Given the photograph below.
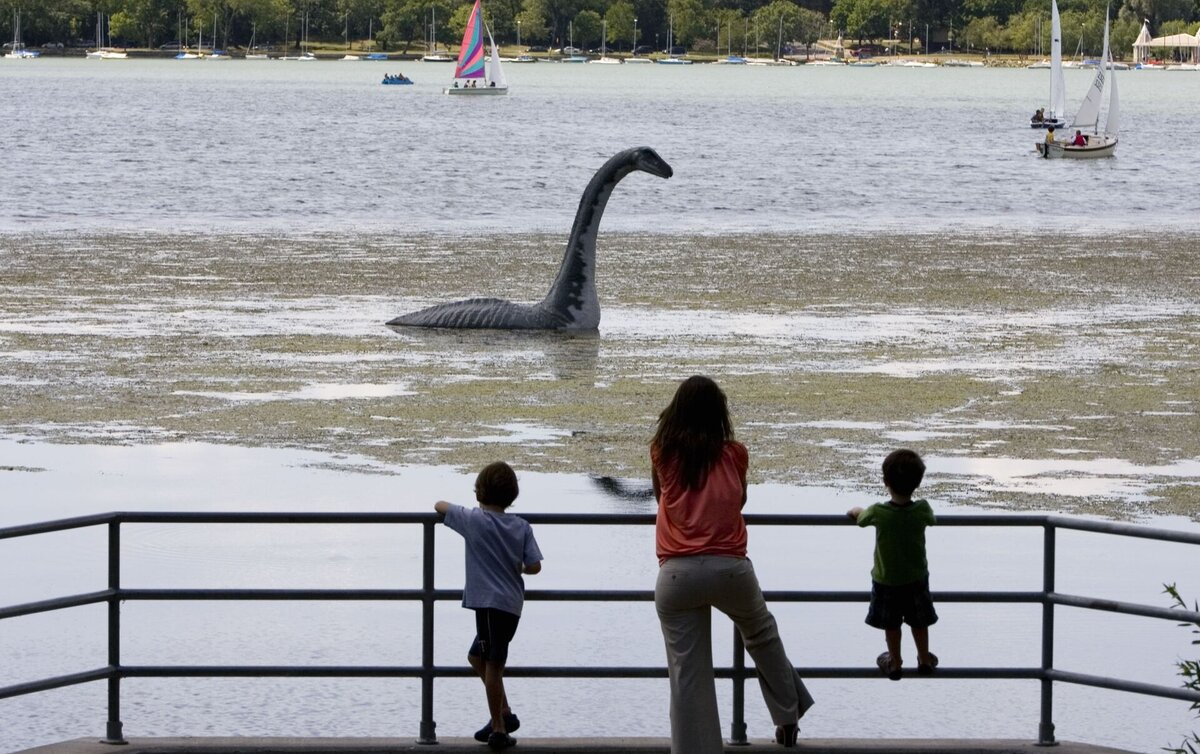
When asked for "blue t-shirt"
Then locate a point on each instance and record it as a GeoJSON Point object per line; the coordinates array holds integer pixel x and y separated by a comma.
{"type": "Point", "coordinates": [498, 546]}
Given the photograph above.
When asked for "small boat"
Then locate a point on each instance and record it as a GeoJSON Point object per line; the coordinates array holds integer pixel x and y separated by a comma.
{"type": "Point", "coordinates": [101, 52]}
{"type": "Point", "coordinates": [18, 48]}
{"type": "Point", "coordinates": [377, 56]}
{"type": "Point", "coordinates": [827, 62]}
{"type": "Point", "coordinates": [672, 59]}
{"type": "Point", "coordinates": [351, 57]}
{"type": "Point", "coordinates": [1097, 143]}
{"type": "Point", "coordinates": [636, 60]}
{"type": "Point", "coordinates": [477, 75]}
{"type": "Point", "coordinates": [435, 56]}
{"type": "Point", "coordinates": [1057, 114]}
{"type": "Point", "coordinates": [400, 80]}
{"type": "Point", "coordinates": [604, 59]}
{"type": "Point", "coordinates": [524, 59]}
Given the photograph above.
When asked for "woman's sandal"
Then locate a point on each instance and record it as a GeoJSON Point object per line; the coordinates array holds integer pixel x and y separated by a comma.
{"type": "Point", "coordinates": [785, 735]}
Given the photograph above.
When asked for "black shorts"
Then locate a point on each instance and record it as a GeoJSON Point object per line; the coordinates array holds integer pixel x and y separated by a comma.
{"type": "Point", "coordinates": [494, 630]}
{"type": "Point", "coordinates": [908, 603]}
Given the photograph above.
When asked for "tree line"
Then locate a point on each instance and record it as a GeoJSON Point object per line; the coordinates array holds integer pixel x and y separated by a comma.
{"type": "Point", "coordinates": [993, 26]}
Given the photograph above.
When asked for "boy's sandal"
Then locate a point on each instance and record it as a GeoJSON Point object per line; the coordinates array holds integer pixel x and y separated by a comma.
{"type": "Point", "coordinates": [785, 735]}
{"type": "Point", "coordinates": [500, 741]}
{"type": "Point", "coordinates": [884, 661]}
{"type": "Point", "coordinates": [926, 668]}
{"type": "Point", "coordinates": [511, 721]}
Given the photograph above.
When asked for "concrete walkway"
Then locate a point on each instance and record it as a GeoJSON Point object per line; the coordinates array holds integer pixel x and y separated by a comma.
{"type": "Point", "coordinates": [547, 746]}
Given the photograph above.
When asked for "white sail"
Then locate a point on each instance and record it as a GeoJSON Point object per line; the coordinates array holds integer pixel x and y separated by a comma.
{"type": "Point", "coordinates": [495, 70]}
{"type": "Point", "coordinates": [1088, 116]}
{"type": "Point", "coordinates": [1058, 83]}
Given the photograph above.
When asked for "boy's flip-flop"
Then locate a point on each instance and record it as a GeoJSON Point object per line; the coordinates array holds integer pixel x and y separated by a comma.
{"type": "Point", "coordinates": [926, 668]}
{"type": "Point", "coordinates": [884, 661]}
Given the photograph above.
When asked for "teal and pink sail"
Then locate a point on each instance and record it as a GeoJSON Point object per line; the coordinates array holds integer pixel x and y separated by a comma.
{"type": "Point", "coordinates": [470, 55]}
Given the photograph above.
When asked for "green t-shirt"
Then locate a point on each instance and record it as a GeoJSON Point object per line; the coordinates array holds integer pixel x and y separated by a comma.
{"type": "Point", "coordinates": [899, 540]}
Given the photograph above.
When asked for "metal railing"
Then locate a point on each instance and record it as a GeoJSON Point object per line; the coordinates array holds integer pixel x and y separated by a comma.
{"type": "Point", "coordinates": [114, 671]}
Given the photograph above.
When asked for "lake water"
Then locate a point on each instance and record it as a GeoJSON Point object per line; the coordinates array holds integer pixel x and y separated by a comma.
{"type": "Point", "coordinates": [256, 145]}
{"type": "Point", "coordinates": [197, 259]}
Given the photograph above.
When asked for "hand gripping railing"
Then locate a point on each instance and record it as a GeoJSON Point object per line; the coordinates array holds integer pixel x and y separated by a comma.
{"type": "Point", "coordinates": [114, 672]}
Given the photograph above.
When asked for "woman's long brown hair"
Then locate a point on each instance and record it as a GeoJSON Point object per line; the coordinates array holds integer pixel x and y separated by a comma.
{"type": "Point", "coordinates": [694, 428]}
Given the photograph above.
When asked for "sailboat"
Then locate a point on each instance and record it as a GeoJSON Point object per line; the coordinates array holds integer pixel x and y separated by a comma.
{"type": "Point", "coordinates": [729, 59]}
{"type": "Point", "coordinates": [218, 54]}
{"type": "Point", "coordinates": [572, 54]}
{"type": "Point", "coordinates": [1058, 85]}
{"type": "Point", "coordinates": [471, 76]}
{"type": "Point", "coordinates": [305, 54]}
{"type": "Point", "coordinates": [604, 59]}
{"type": "Point", "coordinates": [435, 56]}
{"type": "Point", "coordinates": [18, 47]}
{"type": "Point", "coordinates": [102, 52]}
{"type": "Point", "coordinates": [671, 59]}
{"type": "Point", "coordinates": [250, 50]}
{"type": "Point", "coordinates": [1098, 143]}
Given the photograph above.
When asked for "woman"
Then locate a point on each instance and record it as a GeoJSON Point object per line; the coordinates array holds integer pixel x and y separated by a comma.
{"type": "Point", "coordinates": [699, 476]}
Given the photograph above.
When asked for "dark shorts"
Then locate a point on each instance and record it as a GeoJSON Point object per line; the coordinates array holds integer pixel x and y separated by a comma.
{"type": "Point", "coordinates": [494, 630]}
{"type": "Point", "coordinates": [893, 605]}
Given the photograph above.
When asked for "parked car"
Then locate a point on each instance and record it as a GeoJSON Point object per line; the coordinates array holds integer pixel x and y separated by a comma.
{"type": "Point", "coordinates": [643, 50]}
{"type": "Point", "coordinates": [170, 46]}
{"type": "Point", "coordinates": [677, 50]}
{"type": "Point", "coordinates": [536, 48]}
{"type": "Point", "coordinates": [52, 46]}
{"type": "Point", "coordinates": [570, 51]}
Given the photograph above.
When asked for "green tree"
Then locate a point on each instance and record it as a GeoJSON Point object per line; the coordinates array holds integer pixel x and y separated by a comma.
{"type": "Point", "coordinates": [686, 20]}
{"type": "Point", "coordinates": [620, 17]}
{"type": "Point", "coordinates": [983, 34]}
{"type": "Point", "coordinates": [587, 29]}
{"type": "Point", "coordinates": [1188, 669]}
{"type": "Point", "coordinates": [809, 27]}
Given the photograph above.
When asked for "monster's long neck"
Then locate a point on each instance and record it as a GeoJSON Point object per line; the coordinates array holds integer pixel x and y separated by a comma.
{"type": "Point", "coordinates": [573, 294]}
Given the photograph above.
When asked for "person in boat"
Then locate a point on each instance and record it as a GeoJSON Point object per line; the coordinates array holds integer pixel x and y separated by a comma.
{"type": "Point", "coordinates": [1049, 141]}
{"type": "Point", "coordinates": [456, 83]}
{"type": "Point", "coordinates": [1080, 140]}
{"type": "Point", "coordinates": [1039, 116]}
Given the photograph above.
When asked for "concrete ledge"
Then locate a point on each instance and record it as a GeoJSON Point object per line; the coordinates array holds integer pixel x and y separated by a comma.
{"type": "Point", "coordinates": [547, 746]}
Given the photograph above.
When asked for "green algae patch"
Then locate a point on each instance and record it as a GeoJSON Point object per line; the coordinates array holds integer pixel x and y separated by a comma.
{"type": "Point", "coordinates": [983, 351]}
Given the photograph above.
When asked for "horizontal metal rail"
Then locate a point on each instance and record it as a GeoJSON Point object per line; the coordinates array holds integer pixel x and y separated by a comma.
{"type": "Point", "coordinates": [428, 596]}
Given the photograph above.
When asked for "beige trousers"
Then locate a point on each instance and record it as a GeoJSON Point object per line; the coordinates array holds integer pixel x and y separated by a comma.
{"type": "Point", "coordinates": [687, 590]}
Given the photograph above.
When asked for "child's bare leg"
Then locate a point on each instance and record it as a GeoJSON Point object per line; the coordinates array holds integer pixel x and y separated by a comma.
{"type": "Point", "coordinates": [478, 664]}
{"type": "Point", "coordinates": [921, 639]}
{"type": "Point", "coordinates": [893, 636]}
{"type": "Point", "coordinates": [493, 684]}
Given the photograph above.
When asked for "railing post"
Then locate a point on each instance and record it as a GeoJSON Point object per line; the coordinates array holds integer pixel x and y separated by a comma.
{"type": "Point", "coordinates": [1046, 725]}
{"type": "Point", "coordinates": [737, 729]}
{"type": "Point", "coordinates": [112, 730]}
{"type": "Point", "coordinates": [428, 726]}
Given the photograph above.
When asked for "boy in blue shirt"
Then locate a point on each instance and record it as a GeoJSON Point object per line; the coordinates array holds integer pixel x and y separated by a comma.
{"type": "Point", "coordinates": [900, 578]}
{"type": "Point", "coordinates": [499, 548]}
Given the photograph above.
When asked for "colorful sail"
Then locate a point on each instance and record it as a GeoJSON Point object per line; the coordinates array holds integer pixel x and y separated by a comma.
{"type": "Point", "coordinates": [470, 54]}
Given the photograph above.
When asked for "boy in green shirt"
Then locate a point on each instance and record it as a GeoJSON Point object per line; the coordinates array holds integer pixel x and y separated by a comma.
{"type": "Point", "coordinates": [900, 578]}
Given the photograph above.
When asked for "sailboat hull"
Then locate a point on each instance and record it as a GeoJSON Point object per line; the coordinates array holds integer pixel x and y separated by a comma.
{"type": "Point", "coordinates": [1098, 146]}
{"type": "Point", "coordinates": [483, 90]}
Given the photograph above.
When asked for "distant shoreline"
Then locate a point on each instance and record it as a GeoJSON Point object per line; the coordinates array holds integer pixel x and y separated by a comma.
{"type": "Point", "coordinates": [948, 59]}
